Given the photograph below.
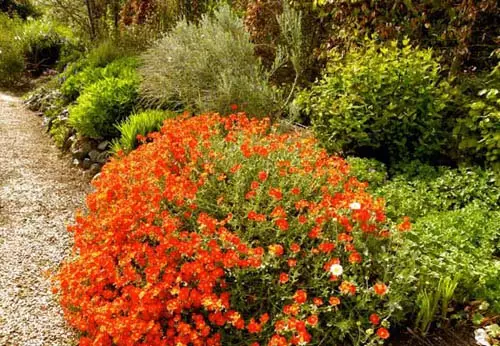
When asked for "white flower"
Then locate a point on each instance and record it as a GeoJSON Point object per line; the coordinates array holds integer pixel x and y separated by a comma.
{"type": "Point", "coordinates": [336, 269]}
{"type": "Point", "coordinates": [355, 206]}
{"type": "Point", "coordinates": [481, 337]}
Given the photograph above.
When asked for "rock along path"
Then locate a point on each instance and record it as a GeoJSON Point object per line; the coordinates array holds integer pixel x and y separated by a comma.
{"type": "Point", "coordinates": [39, 192]}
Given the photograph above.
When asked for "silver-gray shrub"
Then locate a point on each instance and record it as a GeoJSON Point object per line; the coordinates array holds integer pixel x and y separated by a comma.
{"type": "Point", "coordinates": [207, 67]}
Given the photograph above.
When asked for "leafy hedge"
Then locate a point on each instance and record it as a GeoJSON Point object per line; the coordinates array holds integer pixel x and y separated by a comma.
{"type": "Point", "coordinates": [382, 101]}
{"type": "Point", "coordinates": [478, 131]}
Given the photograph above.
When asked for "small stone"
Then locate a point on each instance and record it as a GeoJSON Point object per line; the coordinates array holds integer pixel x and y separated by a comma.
{"type": "Point", "coordinates": [86, 163]}
{"type": "Point", "coordinates": [68, 143]}
{"type": "Point", "coordinates": [47, 122]}
{"type": "Point", "coordinates": [94, 155]}
{"type": "Point", "coordinates": [95, 170]}
{"type": "Point", "coordinates": [81, 148]}
{"type": "Point", "coordinates": [76, 162]}
{"type": "Point", "coordinates": [103, 145]}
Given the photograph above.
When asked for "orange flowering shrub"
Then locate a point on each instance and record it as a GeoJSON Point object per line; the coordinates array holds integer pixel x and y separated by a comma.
{"type": "Point", "coordinates": [224, 231]}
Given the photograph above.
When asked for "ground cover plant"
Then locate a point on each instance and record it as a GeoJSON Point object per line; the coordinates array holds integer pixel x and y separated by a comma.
{"type": "Point", "coordinates": [223, 231]}
{"type": "Point", "coordinates": [455, 207]}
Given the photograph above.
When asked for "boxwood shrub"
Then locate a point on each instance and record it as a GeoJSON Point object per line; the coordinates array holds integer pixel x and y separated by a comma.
{"type": "Point", "coordinates": [386, 101]}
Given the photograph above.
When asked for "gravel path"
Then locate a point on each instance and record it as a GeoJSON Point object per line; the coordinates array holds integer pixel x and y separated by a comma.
{"type": "Point", "coordinates": [39, 193]}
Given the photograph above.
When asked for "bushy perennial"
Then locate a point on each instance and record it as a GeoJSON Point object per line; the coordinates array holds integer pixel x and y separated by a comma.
{"type": "Point", "coordinates": [221, 230]}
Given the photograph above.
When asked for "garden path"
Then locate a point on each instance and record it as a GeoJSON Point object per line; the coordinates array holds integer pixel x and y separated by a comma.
{"type": "Point", "coordinates": [39, 192]}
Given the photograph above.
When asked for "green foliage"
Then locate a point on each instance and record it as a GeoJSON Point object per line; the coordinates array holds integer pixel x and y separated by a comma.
{"type": "Point", "coordinates": [43, 42]}
{"type": "Point", "coordinates": [139, 124]}
{"type": "Point", "coordinates": [105, 52]}
{"type": "Point", "coordinates": [31, 45]}
{"type": "Point", "coordinates": [428, 303]}
{"type": "Point", "coordinates": [460, 244]}
{"type": "Point", "coordinates": [440, 189]}
{"type": "Point", "coordinates": [206, 67]}
{"type": "Point", "coordinates": [102, 105]}
{"type": "Point", "coordinates": [478, 133]}
{"type": "Point", "coordinates": [368, 170]}
{"type": "Point", "coordinates": [22, 9]}
{"type": "Point", "coordinates": [383, 101]}
{"type": "Point", "coordinates": [75, 83]}
{"type": "Point", "coordinates": [464, 33]}
{"type": "Point", "coordinates": [60, 131]}
{"type": "Point", "coordinates": [11, 50]}
{"type": "Point", "coordinates": [293, 46]}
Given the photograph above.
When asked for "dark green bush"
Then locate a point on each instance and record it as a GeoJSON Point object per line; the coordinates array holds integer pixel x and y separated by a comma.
{"type": "Point", "coordinates": [102, 106]}
{"type": "Point", "coordinates": [478, 132]}
{"type": "Point", "coordinates": [206, 67]}
{"type": "Point", "coordinates": [382, 101]}
{"type": "Point", "coordinates": [139, 124]}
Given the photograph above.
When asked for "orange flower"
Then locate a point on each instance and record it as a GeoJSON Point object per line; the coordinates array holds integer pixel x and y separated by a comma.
{"type": "Point", "coordinates": [292, 263]}
{"type": "Point", "coordinates": [317, 301]}
{"type": "Point", "coordinates": [300, 296]}
{"type": "Point", "coordinates": [276, 250]}
{"type": "Point", "coordinates": [334, 301]}
{"type": "Point", "coordinates": [275, 193]}
{"type": "Point", "coordinates": [254, 185]}
{"type": "Point", "coordinates": [374, 319]}
{"type": "Point", "coordinates": [383, 333]}
{"type": "Point", "coordinates": [380, 288]}
{"type": "Point", "coordinates": [253, 327]}
{"type": "Point", "coordinates": [283, 278]}
{"type": "Point", "coordinates": [295, 248]}
{"type": "Point", "coordinates": [282, 224]}
{"type": "Point", "coordinates": [252, 215]}
{"type": "Point", "coordinates": [405, 225]}
{"type": "Point", "coordinates": [347, 287]}
{"type": "Point", "coordinates": [355, 257]}
{"type": "Point", "coordinates": [263, 176]}
{"type": "Point", "coordinates": [312, 320]}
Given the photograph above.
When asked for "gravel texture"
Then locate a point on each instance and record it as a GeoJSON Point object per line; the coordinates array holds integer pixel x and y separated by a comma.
{"type": "Point", "coordinates": [39, 192]}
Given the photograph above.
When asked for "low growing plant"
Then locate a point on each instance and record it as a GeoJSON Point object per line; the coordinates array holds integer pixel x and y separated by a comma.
{"type": "Point", "coordinates": [424, 189]}
{"type": "Point", "coordinates": [460, 244]}
{"type": "Point", "coordinates": [140, 124]}
{"type": "Point", "coordinates": [222, 230]}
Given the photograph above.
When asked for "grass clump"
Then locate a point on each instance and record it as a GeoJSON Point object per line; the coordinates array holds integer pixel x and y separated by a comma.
{"type": "Point", "coordinates": [139, 124]}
